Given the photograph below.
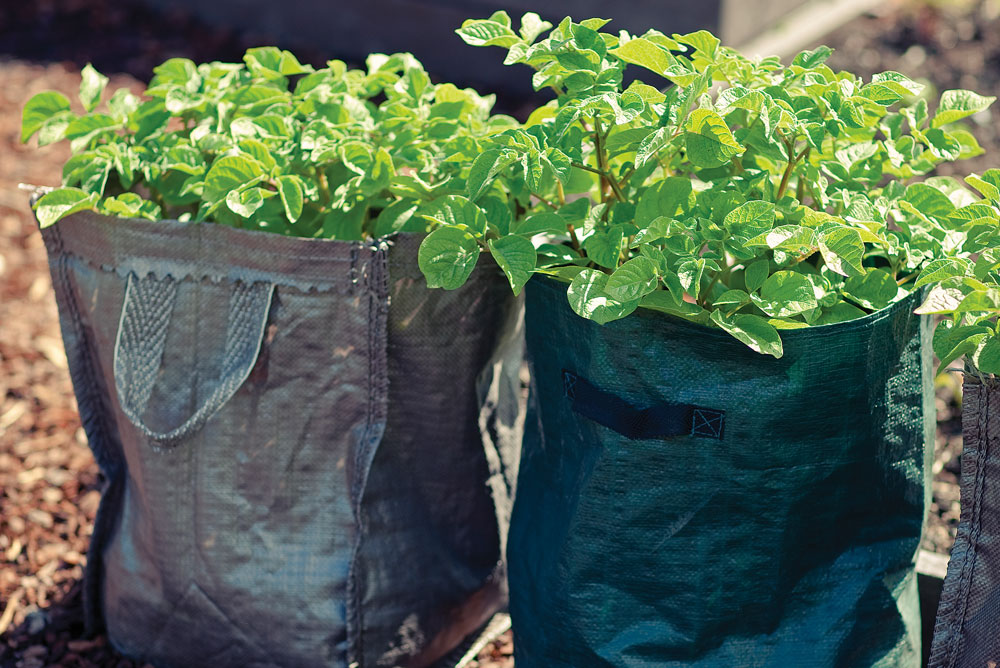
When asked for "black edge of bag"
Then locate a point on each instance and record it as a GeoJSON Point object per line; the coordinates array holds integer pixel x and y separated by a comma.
{"type": "Point", "coordinates": [967, 629]}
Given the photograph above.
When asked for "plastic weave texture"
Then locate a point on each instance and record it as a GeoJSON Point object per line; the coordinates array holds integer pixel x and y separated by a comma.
{"type": "Point", "coordinates": [695, 503]}
{"type": "Point", "coordinates": [307, 452]}
{"type": "Point", "coordinates": [967, 630]}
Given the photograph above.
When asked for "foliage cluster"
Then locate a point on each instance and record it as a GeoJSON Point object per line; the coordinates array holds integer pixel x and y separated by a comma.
{"type": "Point", "coordinates": [748, 195]}
{"type": "Point", "coordinates": [269, 144]}
{"type": "Point", "coordinates": [734, 192]}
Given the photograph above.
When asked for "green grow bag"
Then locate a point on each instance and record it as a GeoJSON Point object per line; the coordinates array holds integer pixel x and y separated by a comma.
{"type": "Point", "coordinates": [685, 501]}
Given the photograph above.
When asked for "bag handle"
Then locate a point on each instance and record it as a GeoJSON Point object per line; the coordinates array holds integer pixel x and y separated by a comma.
{"type": "Point", "coordinates": [142, 332]}
{"type": "Point", "coordinates": [660, 421]}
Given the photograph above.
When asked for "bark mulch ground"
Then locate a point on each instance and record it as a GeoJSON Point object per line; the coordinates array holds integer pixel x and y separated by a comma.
{"type": "Point", "coordinates": [49, 484]}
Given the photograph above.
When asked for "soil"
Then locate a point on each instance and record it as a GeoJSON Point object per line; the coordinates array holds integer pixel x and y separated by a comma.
{"type": "Point", "coordinates": [49, 484]}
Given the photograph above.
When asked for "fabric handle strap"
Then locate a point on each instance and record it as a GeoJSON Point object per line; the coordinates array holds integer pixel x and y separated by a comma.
{"type": "Point", "coordinates": [660, 421]}
{"type": "Point", "coordinates": [142, 333]}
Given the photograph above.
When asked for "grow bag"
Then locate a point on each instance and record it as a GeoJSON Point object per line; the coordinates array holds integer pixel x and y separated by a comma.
{"type": "Point", "coordinates": [967, 630]}
{"type": "Point", "coordinates": [685, 501]}
{"type": "Point", "coordinates": [296, 436]}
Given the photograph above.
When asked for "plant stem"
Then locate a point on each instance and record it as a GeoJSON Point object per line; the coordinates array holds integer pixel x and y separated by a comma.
{"type": "Point", "coordinates": [574, 241]}
{"type": "Point", "coordinates": [324, 188]}
{"type": "Point", "coordinates": [800, 188]}
{"type": "Point", "coordinates": [599, 154]}
{"type": "Point", "coordinates": [803, 257]}
{"type": "Point", "coordinates": [587, 168]}
{"type": "Point", "coordinates": [606, 177]}
{"type": "Point", "coordinates": [543, 200]}
{"type": "Point", "coordinates": [792, 161]}
{"type": "Point", "coordinates": [788, 170]}
{"type": "Point", "coordinates": [707, 292]}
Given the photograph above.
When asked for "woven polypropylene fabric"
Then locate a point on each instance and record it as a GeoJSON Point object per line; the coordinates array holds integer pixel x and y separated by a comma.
{"type": "Point", "coordinates": [789, 540]}
{"type": "Point", "coordinates": [967, 630]}
{"type": "Point", "coordinates": [269, 535]}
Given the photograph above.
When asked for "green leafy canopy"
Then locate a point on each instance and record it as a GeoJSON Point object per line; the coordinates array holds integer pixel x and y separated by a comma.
{"type": "Point", "coordinates": [734, 192]}
{"type": "Point", "coordinates": [270, 144]}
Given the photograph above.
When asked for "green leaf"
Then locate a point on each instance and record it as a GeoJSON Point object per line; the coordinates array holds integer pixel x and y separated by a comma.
{"type": "Point", "coordinates": [484, 168]}
{"type": "Point", "coordinates": [839, 312]}
{"type": "Point", "coordinates": [230, 173]}
{"type": "Point", "coordinates": [458, 211]}
{"type": "Point", "coordinates": [487, 33]}
{"type": "Point", "coordinates": [785, 293]}
{"type": "Point", "coordinates": [690, 272]}
{"type": "Point", "coordinates": [750, 219]}
{"type": "Point", "coordinates": [546, 222]}
{"type": "Point", "coordinates": [665, 198]}
{"type": "Point", "coordinates": [755, 275]}
{"type": "Point", "coordinates": [180, 100]}
{"type": "Point", "coordinates": [589, 298]}
{"type": "Point", "coordinates": [179, 71]}
{"type": "Point", "coordinates": [953, 341]}
{"type": "Point", "coordinates": [899, 83]}
{"type": "Point", "coordinates": [939, 270]}
{"type": "Point", "coordinates": [604, 247]}
{"type": "Point", "coordinates": [91, 87]}
{"type": "Point", "coordinates": [394, 217]}
{"type": "Point", "coordinates": [84, 128]}
{"type": "Point", "coordinates": [532, 163]}
{"type": "Point", "coordinates": [791, 238]}
{"type": "Point", "coordinates": [943, 298]}
{"type": "Point", "coordinates": [958, 104]}
{"type": "Point", "coordinates": [447, 257]}
{"type": "Point", "coordinates": [732, 298]}
{"type": "Point", "coordinates": [290, 190]}
{"type": "Point", "coordinates": [516, 257]}
{"type": "Point", "coordinates": [987, 358]}
{"type": "Point", "coordinates": [703, 41]}
{"type": "Point", "coordinates": [651, 145]}
{"type": "Point", "coordinates": [644, 53]}
{"type": "Point", "coordinates": [60, 203]}
{"type": "Point", "coordinates": [532, 26]}
{"type": "Point", "coordinates": [709, 141]}
{"type": "Point", "coordinates": [929, 200]}
{"type": "Point", "coordinates": [130, 205]}
{"type": "Point", "coordinates": [244, 202]}
{"type": "Point", "coordinates": [986, 300]}
{"type": "Point", "coordinates": [842, 250]}
{"type": "Point", "coordinates": [875, 290]}
{"type": "Point", "coordinates": [270, 62]}
{"type": "Point", "coordinates": [633, 280]}
{"type": "Point", "coordinates": [754, 331]}
{"type": "Point", "coordinates": [810, 59]}
{"type": "Point", "coordinates": [661, 300]}
{"type": "Point", "coordinates": [988, 190]}
{"type": "Point", "coordinates": [39, 109]}
{"type": "Point", "coordinates": [658, 228]}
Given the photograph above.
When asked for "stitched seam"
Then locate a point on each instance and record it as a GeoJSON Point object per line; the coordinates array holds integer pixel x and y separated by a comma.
{"type": "Point", "coordinates": [199, 275]}
{"type": "Point", "coordinates": [969, 566]}
{"type": "Point", "coordinates": [374, 281]}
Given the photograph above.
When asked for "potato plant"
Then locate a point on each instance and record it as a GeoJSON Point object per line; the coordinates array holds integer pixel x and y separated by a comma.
{"type": "Point", "coordinates": [734, 192]}
{"type": "Point", "coordinates": [269, 144]}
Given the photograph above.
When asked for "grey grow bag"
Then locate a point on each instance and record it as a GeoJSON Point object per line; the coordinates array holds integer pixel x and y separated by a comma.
{"type": "Point", "coordinates": [302, 443]}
